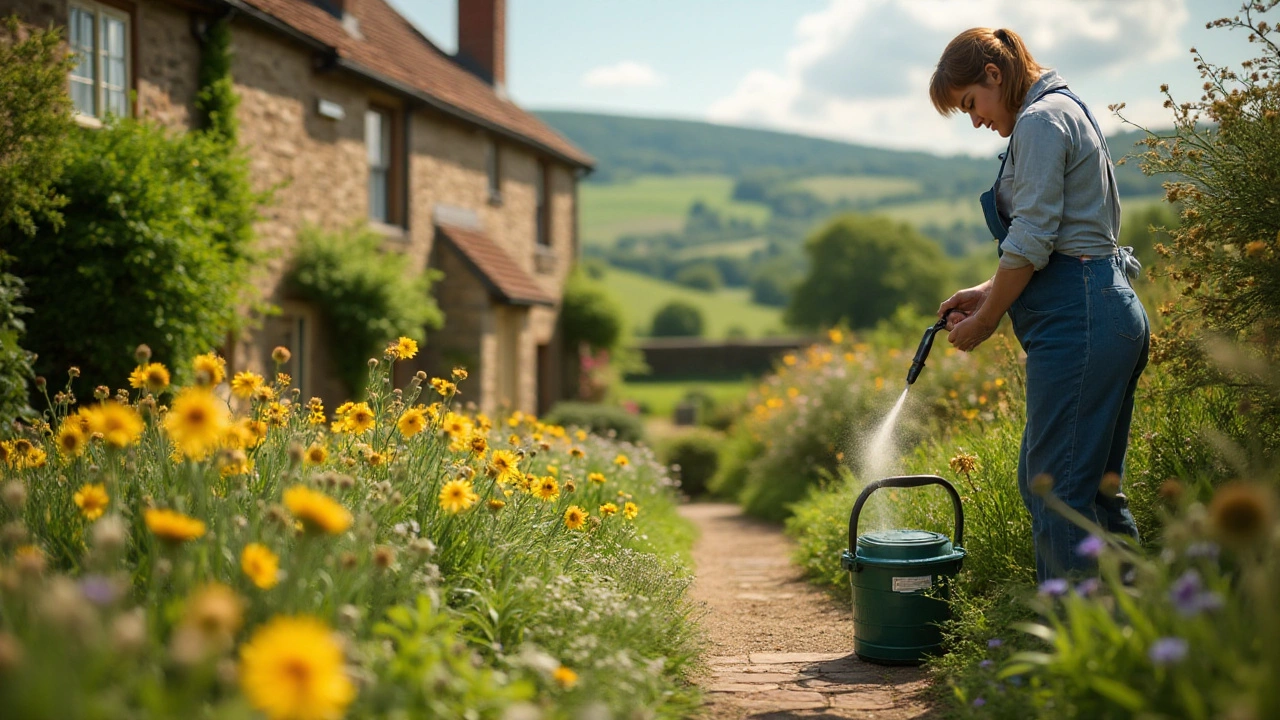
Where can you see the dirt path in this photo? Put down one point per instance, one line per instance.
(781, 648)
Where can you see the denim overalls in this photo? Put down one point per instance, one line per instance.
(1086, 337)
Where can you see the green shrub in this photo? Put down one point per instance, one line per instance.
(598, 418)
(737, 453)
(367, 296)
(702, 275)
(697, 453)
(589, 314)
(148, 242)
(862, 269)
(677, 319)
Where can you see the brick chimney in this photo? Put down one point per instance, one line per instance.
(482, 39)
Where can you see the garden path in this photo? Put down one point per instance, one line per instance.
(781, 648)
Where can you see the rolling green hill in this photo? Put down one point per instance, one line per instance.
(722, 310)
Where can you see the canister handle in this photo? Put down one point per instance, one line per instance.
(905, 481)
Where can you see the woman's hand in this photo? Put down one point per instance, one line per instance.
(966, 302)
(972, 331)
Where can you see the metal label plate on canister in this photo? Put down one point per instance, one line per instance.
(912, 584)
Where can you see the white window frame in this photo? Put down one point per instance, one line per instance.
(100, 12)
(383, 165)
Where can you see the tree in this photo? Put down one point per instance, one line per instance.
(677, 319)
(861, 269)
(700, 275)
(589, 315)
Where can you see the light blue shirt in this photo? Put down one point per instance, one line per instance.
(1055, 184)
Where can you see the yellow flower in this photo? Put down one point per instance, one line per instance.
(479, 444)
(565, 677)
(292, 669)
(608, 509)
(71, 439)
(621, 461)
(360, 419)
(412, 422)
(576, 452)
(630, 510)
(404, 348)
(92, 500)
(546, 489)
(316, 454)
(196, 422)
(504, 466)
(245, 384)
(119, 425)
(597, 478)
(210, 369)
(575, 517)
(495, 505)
(964, 463)
(173, 526)
(456, 425)
(457, 495)
(459, 373)
(581, 435)
(152, 376)
(835, 336)
(444, 387)
(317, 511)
(261, 565)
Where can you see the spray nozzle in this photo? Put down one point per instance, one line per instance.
(926, 344)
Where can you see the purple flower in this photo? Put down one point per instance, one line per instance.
(1088, 587)
(986, 664)
(1091, 546)
(979, 702)
(1189, 596)
(994, 643)
(99, 590)
(1167, 651)
(1204, 549)
(1056, 587)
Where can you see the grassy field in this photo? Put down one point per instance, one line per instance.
(641, 296)
(733, 248)
(658, 399)
(834, 188)
(935, 212)
(655, 203)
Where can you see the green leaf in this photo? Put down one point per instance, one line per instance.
(1118, 692)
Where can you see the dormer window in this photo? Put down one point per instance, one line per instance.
(99, 37)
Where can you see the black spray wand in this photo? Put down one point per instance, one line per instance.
(926, 344)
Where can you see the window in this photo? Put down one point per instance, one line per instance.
(493, 166)
(99, 37)
(377, 138)
(544, 204)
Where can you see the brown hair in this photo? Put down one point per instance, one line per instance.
(964, 63)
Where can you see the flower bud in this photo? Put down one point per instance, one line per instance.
(14, 495)
(281, 355)
(142, 353)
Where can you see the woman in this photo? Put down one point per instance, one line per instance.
(1063, 280)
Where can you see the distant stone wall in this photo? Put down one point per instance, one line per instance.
(695, 357)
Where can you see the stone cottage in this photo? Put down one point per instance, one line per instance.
(356, 115)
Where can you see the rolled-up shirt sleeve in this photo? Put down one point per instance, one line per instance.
(1039, 148)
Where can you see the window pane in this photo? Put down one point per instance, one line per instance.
(377, 195)
(373, 138)
(115, 73)
(116, 103)
(113, 37)
(81, 29)
(82, 97)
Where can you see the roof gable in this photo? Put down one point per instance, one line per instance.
(495, 268)
(392, 49)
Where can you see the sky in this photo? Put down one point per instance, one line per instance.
(852, 70)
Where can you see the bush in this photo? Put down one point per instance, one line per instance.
(696, 452)
(677, 319)
(368, 297)
(862, 269)
(589, 314)
(598, 418)
(700, 275)
(149, 242)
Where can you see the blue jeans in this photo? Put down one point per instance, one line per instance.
(1086, 337)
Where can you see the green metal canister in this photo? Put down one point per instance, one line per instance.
(900, 581)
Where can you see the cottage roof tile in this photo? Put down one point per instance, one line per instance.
(494, 266)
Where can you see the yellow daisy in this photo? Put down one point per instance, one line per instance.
(292, 669)
(546, 489)
(151, 376)
(404, 348)
(630, 510)
(173, 526)
(210, 369)
(71, 439)
(565, 677)
(261, 565)
(608, 509)
(457, 495)
(621, 461)
(196, 422)
(575, 517)
(245, 384)
(316, 454)
(412, 422)
(119, 425)
(360, 419)
(597, 478)
(317, 512)
(92, 499)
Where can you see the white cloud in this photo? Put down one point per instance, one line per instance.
(859, 69)
(627, 73)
